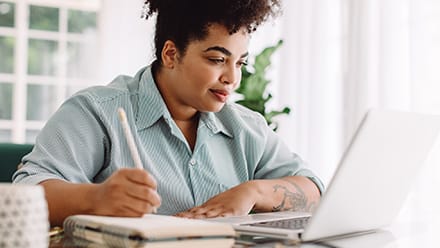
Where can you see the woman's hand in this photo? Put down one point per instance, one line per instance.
(236, 201)
(127, 192)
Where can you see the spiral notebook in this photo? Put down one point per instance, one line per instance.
(148, 231)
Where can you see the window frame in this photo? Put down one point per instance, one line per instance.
(20, 79)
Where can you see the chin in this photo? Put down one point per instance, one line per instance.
(214, 108)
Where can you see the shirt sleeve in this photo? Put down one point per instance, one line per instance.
(72, 146)
(278, 161)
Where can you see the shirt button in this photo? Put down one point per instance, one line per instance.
(192, 162)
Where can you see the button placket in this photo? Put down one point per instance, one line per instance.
(192, 162)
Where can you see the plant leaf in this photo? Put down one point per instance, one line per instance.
(253, 86)
(262, 60)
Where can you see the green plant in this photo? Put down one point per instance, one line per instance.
(253, 86)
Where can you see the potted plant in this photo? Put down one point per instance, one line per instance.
(253, 86)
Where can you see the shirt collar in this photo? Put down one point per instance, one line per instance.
(213, 123)
(151, 106)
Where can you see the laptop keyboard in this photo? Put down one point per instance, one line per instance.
(295, 223)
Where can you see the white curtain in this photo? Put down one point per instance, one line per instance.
(342, 57)
(311, 81)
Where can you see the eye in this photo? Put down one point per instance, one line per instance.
(217, 60)
(242, 63)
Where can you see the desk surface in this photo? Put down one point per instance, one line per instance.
(416, 232)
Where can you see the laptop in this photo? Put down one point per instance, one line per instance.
(369, 186)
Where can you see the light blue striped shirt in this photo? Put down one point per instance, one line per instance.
(84, 143)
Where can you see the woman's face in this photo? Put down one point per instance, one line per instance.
(210, 70)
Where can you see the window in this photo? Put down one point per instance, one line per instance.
(48, 51)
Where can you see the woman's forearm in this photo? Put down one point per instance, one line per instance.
(65, 199)
(293, 193)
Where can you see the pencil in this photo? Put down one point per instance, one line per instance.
(130, 141)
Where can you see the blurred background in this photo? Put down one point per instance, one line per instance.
(339, 58)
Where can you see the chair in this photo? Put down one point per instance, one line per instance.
(10, 158)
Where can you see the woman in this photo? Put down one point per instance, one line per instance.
(203, 156)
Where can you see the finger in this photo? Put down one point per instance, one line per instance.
(194, 213)
(139, 206)
(125, 207)
(151, 209)
(144, 208)
(198, 210)
(135, 209)
(199, 216)
(213, 211)
(185, 214)
(216, 212)
(144, 193)
(140, 177)
(226, 214)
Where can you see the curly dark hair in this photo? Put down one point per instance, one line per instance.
(182, 21)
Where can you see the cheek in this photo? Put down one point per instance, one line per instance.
(202, 77)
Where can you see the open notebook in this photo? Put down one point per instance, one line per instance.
(147, 231)
(369, 186)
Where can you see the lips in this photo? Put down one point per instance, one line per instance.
(221, 95)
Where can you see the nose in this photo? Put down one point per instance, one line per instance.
(231, 75)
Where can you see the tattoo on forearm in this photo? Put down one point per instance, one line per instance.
(293, 201)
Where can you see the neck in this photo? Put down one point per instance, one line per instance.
(178, 110)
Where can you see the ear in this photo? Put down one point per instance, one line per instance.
(169, 54)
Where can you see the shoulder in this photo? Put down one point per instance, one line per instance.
(120, 91)
(96, 103)
(117, 89)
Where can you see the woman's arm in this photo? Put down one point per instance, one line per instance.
(293, 193)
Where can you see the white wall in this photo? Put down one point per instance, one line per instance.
(126, 39)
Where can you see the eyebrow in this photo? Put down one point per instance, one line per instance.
(224, 51)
